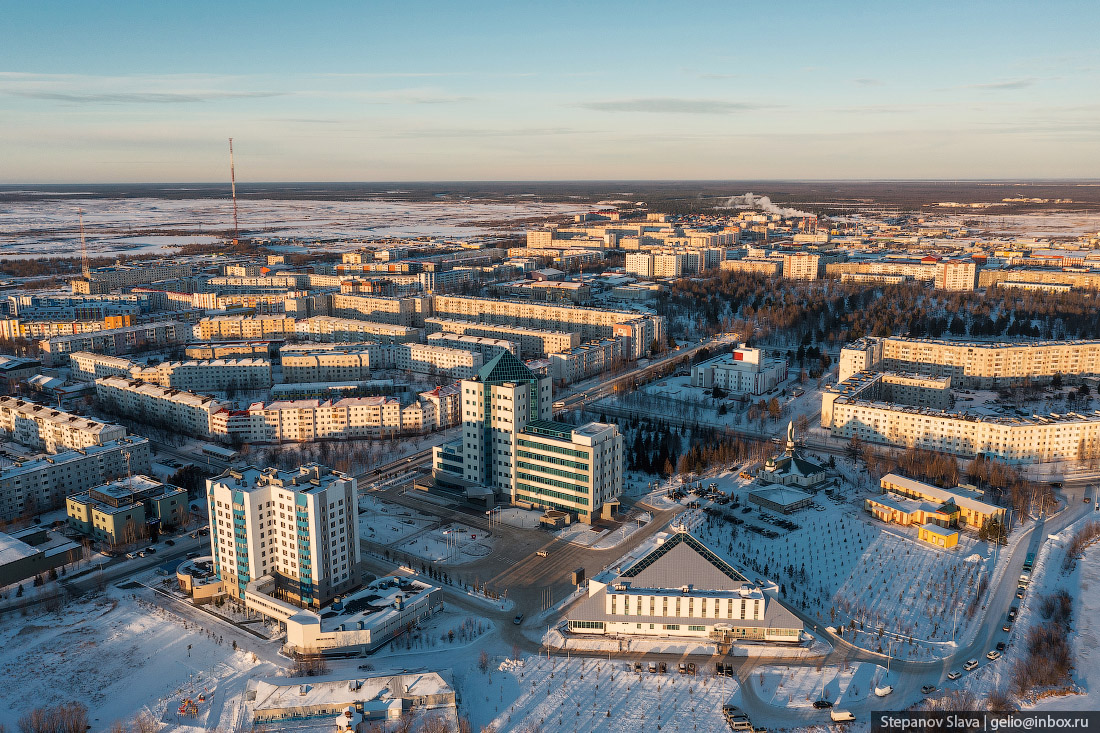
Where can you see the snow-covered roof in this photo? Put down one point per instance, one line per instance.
(12, 549)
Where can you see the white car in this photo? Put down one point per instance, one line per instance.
(954, 675)
(884, 690)
(993, 655)
(971, 665)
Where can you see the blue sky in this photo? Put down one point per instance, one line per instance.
(406, 91)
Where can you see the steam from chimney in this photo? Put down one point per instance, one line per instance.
(761, 203)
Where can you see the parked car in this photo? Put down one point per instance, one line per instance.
(746, 510)
(822, 704)
(954, 675)
(884, 690)
(683, 668)
(1000, 646)
(993, 655)
(970, 665)
(1019, 592)
(192, 555)
(638, 667)
(662, 667)
(1006, 627)
(170, 543)
(518, 619)
(151, 550)
(653, 668)
(928, 689)
(691, 668)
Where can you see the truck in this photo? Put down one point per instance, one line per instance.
(840, 716)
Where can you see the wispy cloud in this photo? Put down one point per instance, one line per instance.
(672, 105)
(463, 132)
(1006, 85)
(869, 82)
(138, 97)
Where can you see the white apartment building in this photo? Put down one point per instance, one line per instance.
(395, 311)
(303, 421)
(86, 366)
(759, 266)
(209, 374)
(356, 361)
(329, 328)
(532, 343)
(510, 445)
(956, 275)
(852, 409)
(802, 266)
(592, 323)
(45, 428)
(56, 350)
(104, 279)
(743, 371)
(243, 327)
(298, 528)
(186, 412)
(31, 487)
(586, 360)
(487, 347)
(971, 364)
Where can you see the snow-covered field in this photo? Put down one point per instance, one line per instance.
(131, 225)
(842, 566)
(117, 657)
(598, 695)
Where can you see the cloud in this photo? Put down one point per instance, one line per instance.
(486, 132)
(1008, 84)
(869, 82)
(138, 97)
(672, 105)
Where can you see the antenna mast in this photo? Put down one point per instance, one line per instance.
(233, 188)
(85, 270)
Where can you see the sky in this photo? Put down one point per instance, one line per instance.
(409, 91)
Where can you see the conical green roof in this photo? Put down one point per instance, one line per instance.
(505, 367)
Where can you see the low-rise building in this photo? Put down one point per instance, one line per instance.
(682, 588)
(209, 374)
(123, 511)
(743, 371)
(183, 411)
(33, 552)
(30, 487)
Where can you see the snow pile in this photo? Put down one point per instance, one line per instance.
(510, 665)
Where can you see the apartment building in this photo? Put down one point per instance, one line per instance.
(86, 366)
(112, 341)
(106, 279)
(848, 413)
(300, 529)
(803, 266)
(532, 343)
(30, 487)
(912, 390)
(119, 512)
(303, 421)
(209, 374)
(586, 360)
(971, 364)
(487, 347)
(232, 350)
(394, 311)
(16, 369)
(447, 401)
(759, 266)
(186, 412)
(511, 445)
(53, 431)
(329, 328)
(592, 323)
(1076, 278)
(956, 275)
(357, 361)
(244, 327)
(742, 371)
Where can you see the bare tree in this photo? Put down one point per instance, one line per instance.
(483, 661)
(144, 722)
(436, 724)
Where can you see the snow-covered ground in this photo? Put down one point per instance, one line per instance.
(841, 565)
(388, 524)
(131, 225)
(118, 656)
(451, 544)
(597, 695)
(798, 687)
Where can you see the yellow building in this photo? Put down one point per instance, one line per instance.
(938, 536)
(971, 511)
